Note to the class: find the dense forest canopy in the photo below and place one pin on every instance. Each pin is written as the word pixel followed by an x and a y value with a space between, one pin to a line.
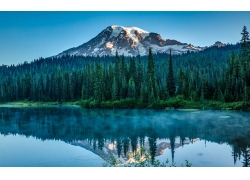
pixel 217 73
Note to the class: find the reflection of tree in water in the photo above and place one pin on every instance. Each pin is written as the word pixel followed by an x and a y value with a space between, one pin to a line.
pixel 125 145
pixel 246 155
pixel 152 147
pixel 172 144
pixel 133 140
pixel 142 142
pixel 119 146
pixel 241 147
pixel 100 142
pixel 94 144
pixel 127 129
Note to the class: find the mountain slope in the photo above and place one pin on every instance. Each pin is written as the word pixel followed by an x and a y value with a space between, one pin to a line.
pixel 130 41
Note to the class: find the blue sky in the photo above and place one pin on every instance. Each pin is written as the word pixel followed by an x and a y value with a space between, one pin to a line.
pixel 27 35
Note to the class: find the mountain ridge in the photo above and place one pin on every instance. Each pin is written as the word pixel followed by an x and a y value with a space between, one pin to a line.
pixel 129 41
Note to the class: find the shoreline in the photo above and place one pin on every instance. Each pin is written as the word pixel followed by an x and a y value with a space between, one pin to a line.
pixel 29 104
pixel 36 104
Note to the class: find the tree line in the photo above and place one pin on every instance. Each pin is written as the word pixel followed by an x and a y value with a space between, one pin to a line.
pixel 219 74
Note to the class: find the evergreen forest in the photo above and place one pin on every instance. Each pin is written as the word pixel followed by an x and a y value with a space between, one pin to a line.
pixel 217 78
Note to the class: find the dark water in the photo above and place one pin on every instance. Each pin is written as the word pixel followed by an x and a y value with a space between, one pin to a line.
pixel 71 136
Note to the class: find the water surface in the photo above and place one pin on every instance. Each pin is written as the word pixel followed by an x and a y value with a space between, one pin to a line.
pixel 69 136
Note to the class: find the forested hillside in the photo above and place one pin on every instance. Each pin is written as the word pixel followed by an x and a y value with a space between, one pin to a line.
pixel 219 74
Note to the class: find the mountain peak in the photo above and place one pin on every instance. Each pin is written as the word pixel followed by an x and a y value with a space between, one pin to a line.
pixel 128 28
pixel 130 41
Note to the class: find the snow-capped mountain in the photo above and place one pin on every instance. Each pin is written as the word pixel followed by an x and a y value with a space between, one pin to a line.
pixel 130 41
pixel 110 148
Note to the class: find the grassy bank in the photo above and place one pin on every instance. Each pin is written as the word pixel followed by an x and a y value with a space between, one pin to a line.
pixel 174 103
pixel 35 104
pixel 177 102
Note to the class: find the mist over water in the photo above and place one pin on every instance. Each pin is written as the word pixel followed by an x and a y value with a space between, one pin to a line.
pixel 71 136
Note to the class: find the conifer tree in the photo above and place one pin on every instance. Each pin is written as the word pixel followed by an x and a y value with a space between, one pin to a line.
pixel 124 68
pixel 132 69
pixel 124 87
pixel 181 79
pixel 117 73
pixel 47 88
pixel 98 85
pixel 151 78
pixel 131 88
pixel 114 90
pixel 244 46
pixel 170 79
pixel 139 75
pixel 110 81
pixel 143 93
pixel 245 55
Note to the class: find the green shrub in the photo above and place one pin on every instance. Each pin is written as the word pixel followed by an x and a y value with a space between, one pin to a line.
pixel 239 106
pixel 159 104
pixel 128 103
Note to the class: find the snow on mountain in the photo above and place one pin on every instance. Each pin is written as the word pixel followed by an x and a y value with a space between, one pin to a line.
pixel 130 41
pixel 110 148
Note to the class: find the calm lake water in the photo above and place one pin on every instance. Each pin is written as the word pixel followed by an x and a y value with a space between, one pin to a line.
pixel 69 136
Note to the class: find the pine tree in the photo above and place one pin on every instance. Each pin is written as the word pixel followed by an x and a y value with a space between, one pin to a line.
pixel 109 82
pixel 47 88
pixel 139 75
pixel 152 147
pixel 124 88
pixel 244 46
pixel 114 90
pixel 98 84
pixel 72 85
pixel 27 86
pixel 151 79
pixel 220 95
pixel 132 69
pixel 236 80
pixel 117 73
pixel 170 79
pixel 65 90
pixel 18 93
pixel 131 88
pixel 124 68
pixel 143 93
pixel 245 55
pixel 181 79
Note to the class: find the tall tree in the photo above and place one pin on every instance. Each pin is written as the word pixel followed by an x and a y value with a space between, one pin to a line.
pixel 98 84
pixel 140 77
pixel 245 55
pixel 170 79
pixel 151 78
pixel 181 80
pixel 132 69
pixel 118 73
pixel 131 88
pixel 114 90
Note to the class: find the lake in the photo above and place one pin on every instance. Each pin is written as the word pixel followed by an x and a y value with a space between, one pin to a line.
pixel 69 136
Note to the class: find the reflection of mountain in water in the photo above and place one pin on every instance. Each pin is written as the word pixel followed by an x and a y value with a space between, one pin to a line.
pixel 110 149
pixel 120 132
